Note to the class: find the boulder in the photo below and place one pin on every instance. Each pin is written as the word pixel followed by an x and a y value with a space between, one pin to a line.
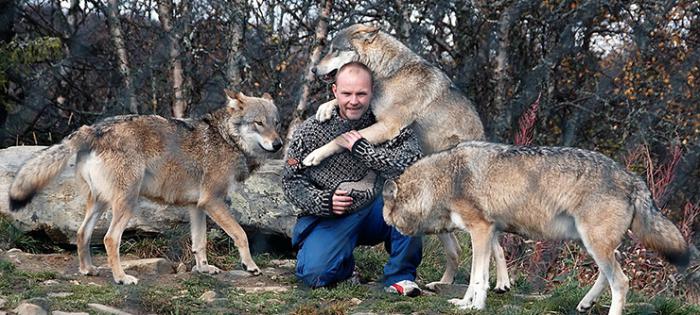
pixel 258 204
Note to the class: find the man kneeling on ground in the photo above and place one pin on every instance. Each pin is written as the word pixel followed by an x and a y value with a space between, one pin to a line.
pixel 341 198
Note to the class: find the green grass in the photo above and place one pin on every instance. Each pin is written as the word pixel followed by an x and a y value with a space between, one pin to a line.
pixel 182 296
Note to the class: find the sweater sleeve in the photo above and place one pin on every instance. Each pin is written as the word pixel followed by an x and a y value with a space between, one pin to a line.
pixel 298 188
pixel 390 158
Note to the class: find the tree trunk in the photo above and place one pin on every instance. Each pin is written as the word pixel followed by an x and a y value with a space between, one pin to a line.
pixel 321 33
pixel 503 119
pixel 128 97
pixel 235 40
pixel 177 78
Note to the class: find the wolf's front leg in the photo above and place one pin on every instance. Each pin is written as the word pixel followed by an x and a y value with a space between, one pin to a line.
pixel 325 110
pixel 198 229
pixel 217 211
pixel 475 297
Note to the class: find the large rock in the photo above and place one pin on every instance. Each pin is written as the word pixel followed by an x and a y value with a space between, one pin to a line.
pixel 258 204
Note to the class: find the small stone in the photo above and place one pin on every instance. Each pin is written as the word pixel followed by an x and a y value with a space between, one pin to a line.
pixel 181 268
pixel 14 250
pixel 239 274
pixel 107 309
pixel 50 282
pixel 59 294
pixel 208 296
pixel 451 290
pixel 274 289
pixel 29 309
pixel 284 263
pixel 355 301
pixel 2 302
pixel 74 282
pixel 158 266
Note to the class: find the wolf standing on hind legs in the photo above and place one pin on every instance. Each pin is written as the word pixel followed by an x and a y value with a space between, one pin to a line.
pixel 174 161
pixel 408 91
pixel 537 192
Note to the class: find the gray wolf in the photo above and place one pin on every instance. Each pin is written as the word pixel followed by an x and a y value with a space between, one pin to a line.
pixel 173 161
pixel 537 192
pixel 408 91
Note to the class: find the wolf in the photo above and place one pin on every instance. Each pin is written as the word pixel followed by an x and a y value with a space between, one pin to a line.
pixel 537 192
pixel 188 162
pixel 407 91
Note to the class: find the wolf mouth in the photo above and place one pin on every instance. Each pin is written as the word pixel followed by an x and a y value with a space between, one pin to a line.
pixel 329 77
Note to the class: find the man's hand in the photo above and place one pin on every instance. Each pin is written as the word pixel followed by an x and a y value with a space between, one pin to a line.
pixel 341 202
pixel 349 139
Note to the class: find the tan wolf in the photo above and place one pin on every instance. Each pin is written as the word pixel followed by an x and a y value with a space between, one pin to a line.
pixel 407 90
pixel 173 161
pixel 537 192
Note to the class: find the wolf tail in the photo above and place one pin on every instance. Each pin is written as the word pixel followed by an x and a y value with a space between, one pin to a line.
pixel 655 230
pixel 46 164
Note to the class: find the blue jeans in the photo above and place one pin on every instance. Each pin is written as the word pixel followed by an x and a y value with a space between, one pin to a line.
pixel 326 245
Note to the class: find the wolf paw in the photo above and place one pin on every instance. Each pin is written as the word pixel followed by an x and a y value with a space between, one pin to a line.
pixel 89 271
pixel 325 111
pixel 210 269
pixel 464 304
pixel 433 286
pixel 126 279
pixel 584 307
pixel 255 271
pixel 501 288
pixel 313 159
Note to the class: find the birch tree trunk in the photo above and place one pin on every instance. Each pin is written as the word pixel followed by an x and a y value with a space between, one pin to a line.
pixel 320 38
pixel 235 39
pixel 128 96
pixel 165 15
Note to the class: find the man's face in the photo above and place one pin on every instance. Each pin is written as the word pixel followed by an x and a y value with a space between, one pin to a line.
pixel 353 90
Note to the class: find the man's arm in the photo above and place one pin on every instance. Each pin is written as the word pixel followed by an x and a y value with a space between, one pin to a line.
pixel 391 158
pixel 298 188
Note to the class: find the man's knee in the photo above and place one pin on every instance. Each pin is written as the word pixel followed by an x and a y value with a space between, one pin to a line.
pixel 320 275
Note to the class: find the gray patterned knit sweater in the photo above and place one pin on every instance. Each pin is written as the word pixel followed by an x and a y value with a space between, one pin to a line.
pixel 361 172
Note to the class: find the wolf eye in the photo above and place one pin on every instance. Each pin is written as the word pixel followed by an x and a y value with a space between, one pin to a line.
pixel 258 123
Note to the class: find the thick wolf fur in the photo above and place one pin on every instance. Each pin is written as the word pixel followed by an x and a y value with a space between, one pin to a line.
pixel 174 161
pixel 537 192
pixel 408 91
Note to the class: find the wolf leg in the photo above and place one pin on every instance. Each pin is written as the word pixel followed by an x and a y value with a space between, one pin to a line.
pixel 379 132
pixel 502 278
pixel 122 211
pixel 592 295
pixel 601 242
pixel 481 234
pixel 93 210
pixel 216 209
pixel 198 231
pixel 452 251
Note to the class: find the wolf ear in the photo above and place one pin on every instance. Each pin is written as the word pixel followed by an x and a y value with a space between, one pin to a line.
pixel 267 96
pixel 234 100
pixel 366 33
pixel 389 192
